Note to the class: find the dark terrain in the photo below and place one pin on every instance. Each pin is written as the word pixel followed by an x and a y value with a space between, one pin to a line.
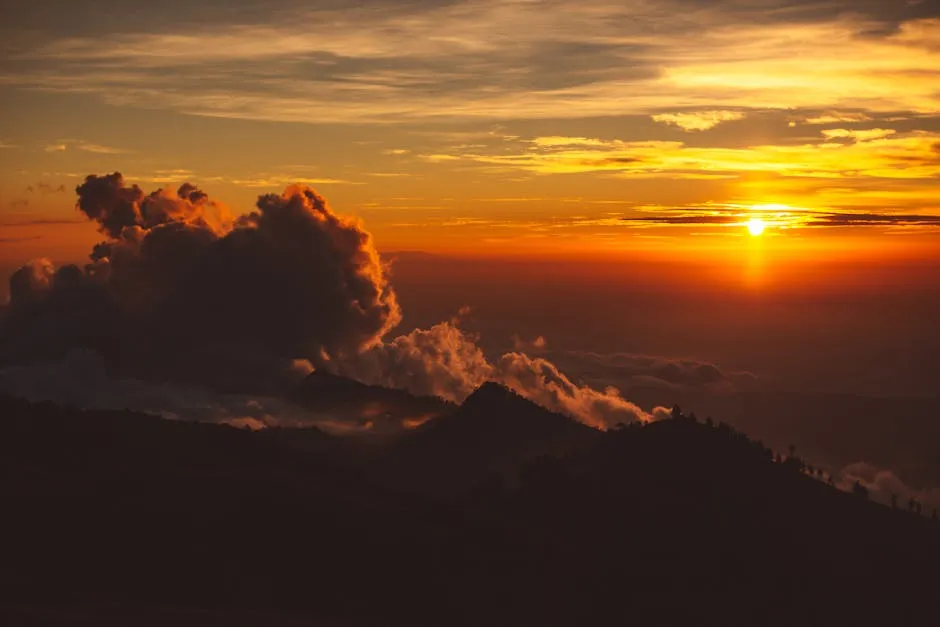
pixel 494 513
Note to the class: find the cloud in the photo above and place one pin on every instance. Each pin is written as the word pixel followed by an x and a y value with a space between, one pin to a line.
pixel 627 370
pixel 541 381
pixel 784 217
pixel 42 187
pixel 871 219
pixel 697 121
pixel 837 118
pixel 539 344
pixel 893 170
pixel 445 361
pixel 38 222
pixel 882 484
pixel 498 60
pixel 180 289
pixel 81 379
pixel 79 144
pixel 17 240
pixel 858 135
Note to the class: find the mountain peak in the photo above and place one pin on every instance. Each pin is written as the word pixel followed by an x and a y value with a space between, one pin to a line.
pixel 491 391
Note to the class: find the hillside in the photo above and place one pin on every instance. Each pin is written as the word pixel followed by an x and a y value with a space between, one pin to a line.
pixel 116 518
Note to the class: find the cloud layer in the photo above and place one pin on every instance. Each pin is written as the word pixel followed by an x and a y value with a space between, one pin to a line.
pixel 181 291
pixel 494 59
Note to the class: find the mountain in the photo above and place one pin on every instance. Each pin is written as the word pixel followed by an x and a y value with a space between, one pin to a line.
pixel 378 410
pixel 134 515
pixel 117 518
pixel 494 430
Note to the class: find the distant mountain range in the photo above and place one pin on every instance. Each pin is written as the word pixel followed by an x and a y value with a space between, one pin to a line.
pixel 496 512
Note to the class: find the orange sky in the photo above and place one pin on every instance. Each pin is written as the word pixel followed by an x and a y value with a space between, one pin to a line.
pixel 497 128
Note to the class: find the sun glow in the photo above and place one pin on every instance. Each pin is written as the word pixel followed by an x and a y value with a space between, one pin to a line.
pixel 755 227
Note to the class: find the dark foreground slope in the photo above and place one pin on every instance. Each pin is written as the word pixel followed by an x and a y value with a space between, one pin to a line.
pixel 122 519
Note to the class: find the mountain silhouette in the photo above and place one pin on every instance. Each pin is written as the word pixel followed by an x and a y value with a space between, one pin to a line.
pixel 492 431
pixel 498 513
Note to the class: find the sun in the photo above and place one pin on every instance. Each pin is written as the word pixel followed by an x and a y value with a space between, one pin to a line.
pixel 755 227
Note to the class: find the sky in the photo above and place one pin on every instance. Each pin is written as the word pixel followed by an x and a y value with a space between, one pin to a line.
pixel 499 128
pixel 634 144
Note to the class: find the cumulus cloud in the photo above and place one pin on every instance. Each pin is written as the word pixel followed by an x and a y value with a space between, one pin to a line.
pixel 699 120
pixel 180 289
pixel 446 361
pixel 541 381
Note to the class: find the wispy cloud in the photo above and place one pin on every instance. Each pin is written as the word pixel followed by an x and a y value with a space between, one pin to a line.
pixel 698 120
pixel 509 60
pixel 781 217
pixel 837 118
pixel 78 144
pixel 863 135
pixel 874 154
pixel 18 240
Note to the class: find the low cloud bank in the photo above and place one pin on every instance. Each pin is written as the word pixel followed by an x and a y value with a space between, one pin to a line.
pixel 884 485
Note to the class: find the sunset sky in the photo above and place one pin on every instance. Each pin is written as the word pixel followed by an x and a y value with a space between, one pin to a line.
pixel 508 127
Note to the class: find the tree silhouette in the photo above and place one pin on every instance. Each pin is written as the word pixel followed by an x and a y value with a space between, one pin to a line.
pixel 859 490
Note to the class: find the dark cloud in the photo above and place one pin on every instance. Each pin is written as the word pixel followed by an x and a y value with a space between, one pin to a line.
pixel 179 289
pixel 685 219
pixel 872 219
pixel 801 219
pixel 42 187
